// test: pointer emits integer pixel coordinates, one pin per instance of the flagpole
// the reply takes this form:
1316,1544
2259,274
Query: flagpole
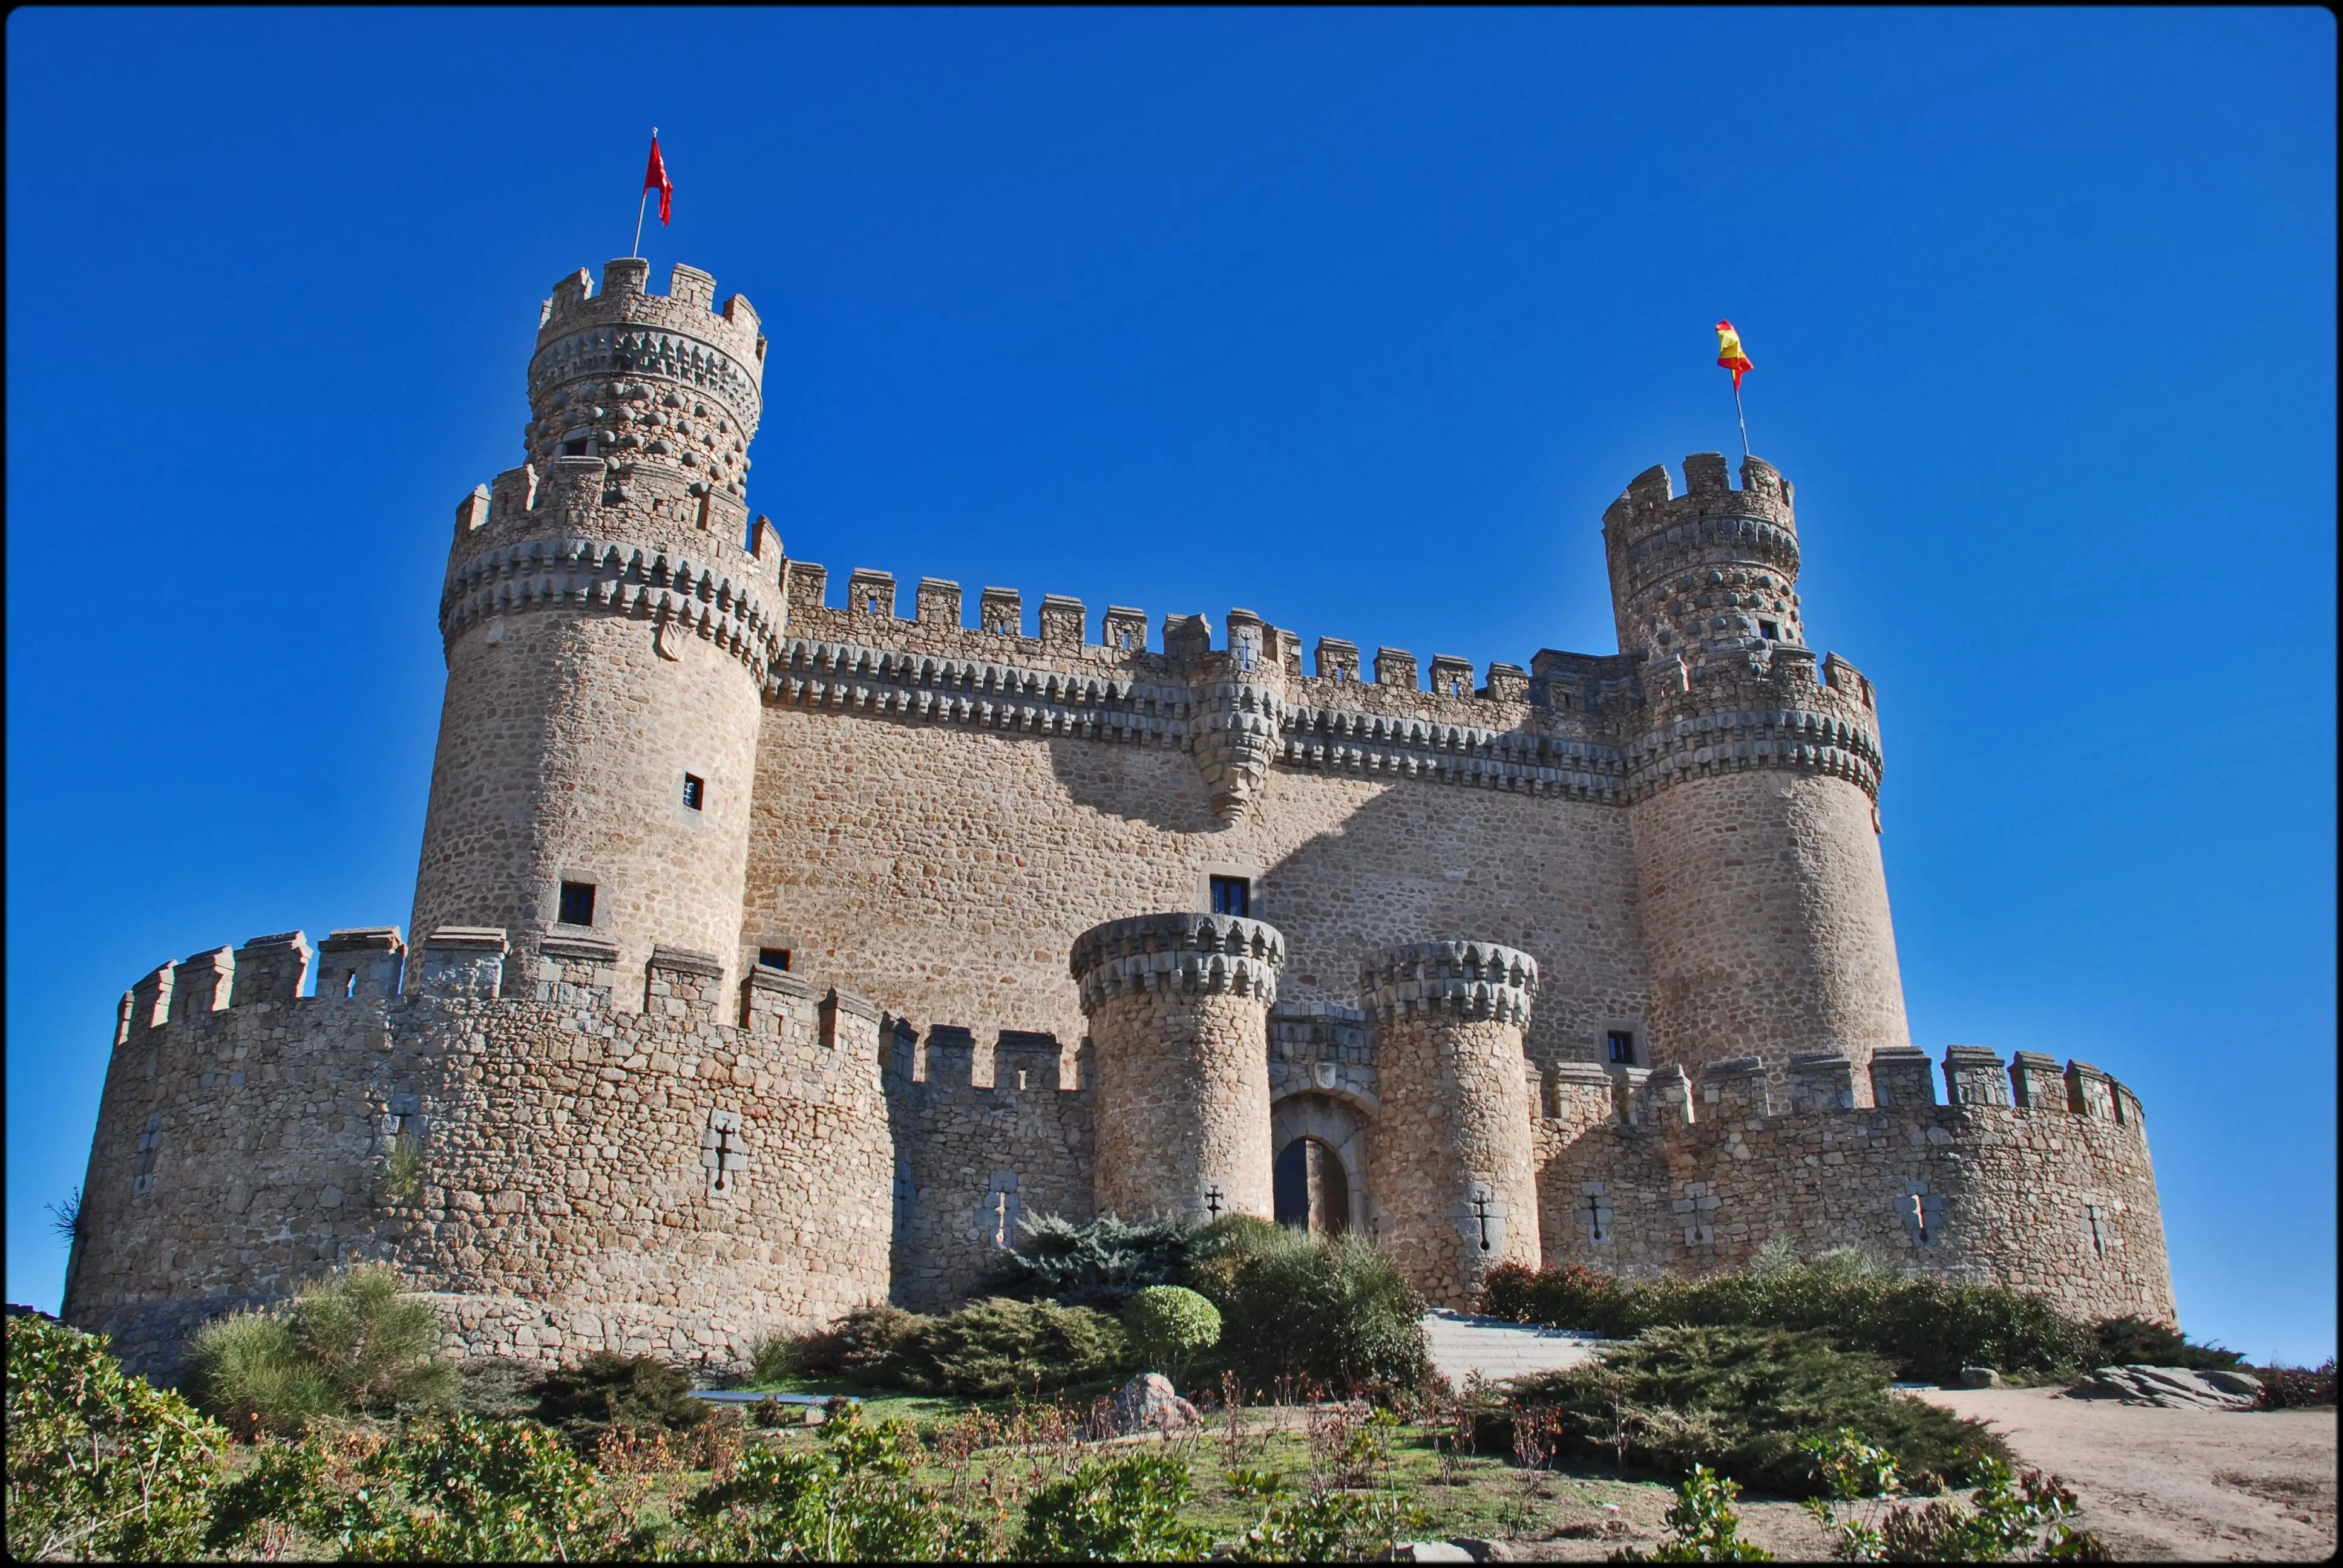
1741,417
644,205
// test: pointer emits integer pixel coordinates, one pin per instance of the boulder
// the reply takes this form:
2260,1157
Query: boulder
2170,1388
1149,1403
1980,1377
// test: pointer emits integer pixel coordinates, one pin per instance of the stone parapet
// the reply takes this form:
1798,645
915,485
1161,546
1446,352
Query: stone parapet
1464,979
1191,954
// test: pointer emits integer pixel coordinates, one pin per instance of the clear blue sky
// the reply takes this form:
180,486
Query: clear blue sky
1356,319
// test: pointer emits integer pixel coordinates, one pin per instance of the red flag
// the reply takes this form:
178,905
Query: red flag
655,179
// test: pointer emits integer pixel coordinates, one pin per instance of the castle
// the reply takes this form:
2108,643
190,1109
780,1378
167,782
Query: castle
777,950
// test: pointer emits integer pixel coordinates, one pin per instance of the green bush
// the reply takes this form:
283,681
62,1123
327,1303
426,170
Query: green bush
1703,1526
1333,1310
852,1499
2142,1342
609,1389
860,1345
995,1347
1319,1526
1926,1329
1101,1262
1741,1402
100,1464
350,1341
497,1388
377,1344
1168,1324
248,1370
1123,1510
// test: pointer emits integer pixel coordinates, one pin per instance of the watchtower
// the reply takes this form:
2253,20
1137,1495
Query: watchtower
1754,784
606,636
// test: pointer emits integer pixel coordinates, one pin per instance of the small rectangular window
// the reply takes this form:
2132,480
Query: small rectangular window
773,958
694,790
1768,629
577,903
1623,1046
576,447
1232,896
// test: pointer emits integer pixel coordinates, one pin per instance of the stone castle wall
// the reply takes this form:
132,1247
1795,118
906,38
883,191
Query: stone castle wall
2056,1197
973,1162
591,1178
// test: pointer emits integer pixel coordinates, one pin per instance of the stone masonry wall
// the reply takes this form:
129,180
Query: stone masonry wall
975,1160
2044,1198
571,1154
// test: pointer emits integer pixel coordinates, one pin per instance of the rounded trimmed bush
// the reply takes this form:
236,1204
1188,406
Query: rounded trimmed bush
1168,1324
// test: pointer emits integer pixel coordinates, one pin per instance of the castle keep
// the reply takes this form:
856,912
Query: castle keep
779,945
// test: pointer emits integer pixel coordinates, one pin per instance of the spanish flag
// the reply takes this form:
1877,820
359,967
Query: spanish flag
1729,355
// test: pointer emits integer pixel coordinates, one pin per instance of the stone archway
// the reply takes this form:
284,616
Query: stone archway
1319,1144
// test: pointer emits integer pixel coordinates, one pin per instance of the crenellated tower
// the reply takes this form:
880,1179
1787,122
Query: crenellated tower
1753,778
608,636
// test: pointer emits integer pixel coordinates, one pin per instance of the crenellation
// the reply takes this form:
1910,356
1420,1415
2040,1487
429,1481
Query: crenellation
1734,1089
202,983
2090,1092
2037,1081
1061,622
1395,667
464,961
1000,612
938,601
1902,1077
1975,1075
269,969
361,961
871,593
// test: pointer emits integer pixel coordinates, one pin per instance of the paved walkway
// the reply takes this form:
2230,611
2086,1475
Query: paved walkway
1462,1344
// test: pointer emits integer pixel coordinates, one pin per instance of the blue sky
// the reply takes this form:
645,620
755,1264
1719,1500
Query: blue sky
1355,319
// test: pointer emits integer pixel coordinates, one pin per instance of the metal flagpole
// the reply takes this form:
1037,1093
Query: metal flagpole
641,206
1744,418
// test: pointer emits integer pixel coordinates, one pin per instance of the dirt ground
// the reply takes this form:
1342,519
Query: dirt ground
2177,1485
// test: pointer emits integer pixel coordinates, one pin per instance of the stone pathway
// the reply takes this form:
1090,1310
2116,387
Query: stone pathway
1462,1344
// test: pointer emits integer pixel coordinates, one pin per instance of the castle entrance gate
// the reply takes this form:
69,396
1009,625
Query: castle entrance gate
1319,1178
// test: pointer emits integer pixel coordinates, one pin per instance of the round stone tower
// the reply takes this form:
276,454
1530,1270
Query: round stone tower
606,637
1454,1184
1754,779
1178,1007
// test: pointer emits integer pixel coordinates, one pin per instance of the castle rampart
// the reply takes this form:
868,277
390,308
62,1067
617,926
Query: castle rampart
2050,1199
567,1200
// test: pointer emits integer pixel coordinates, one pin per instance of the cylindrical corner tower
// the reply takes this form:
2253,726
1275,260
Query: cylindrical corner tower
1755,783
1455,1183
1179,1017
607,639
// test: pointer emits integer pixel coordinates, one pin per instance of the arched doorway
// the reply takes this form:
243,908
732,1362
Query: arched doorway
1311,1187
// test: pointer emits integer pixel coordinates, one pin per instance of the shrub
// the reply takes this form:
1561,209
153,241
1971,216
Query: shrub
1701,1526
1329,1309
777,1358
1741,1400
2142,1342
1168,1324
1926,1328
100,1464
248,1370
1318,1526
377,1345
1123,1510
998,1346
1101,1262
853,1497
488,1491
861,1344
2298,1387
350,1341
497,1388
609,1389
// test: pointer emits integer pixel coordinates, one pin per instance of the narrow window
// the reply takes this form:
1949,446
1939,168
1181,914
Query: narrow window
577,904
1621,1043
773,958
1232,896
350,984
694,790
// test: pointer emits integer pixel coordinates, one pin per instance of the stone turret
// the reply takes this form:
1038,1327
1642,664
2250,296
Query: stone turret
1178,1006
1753,781
1455,1189
608,634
